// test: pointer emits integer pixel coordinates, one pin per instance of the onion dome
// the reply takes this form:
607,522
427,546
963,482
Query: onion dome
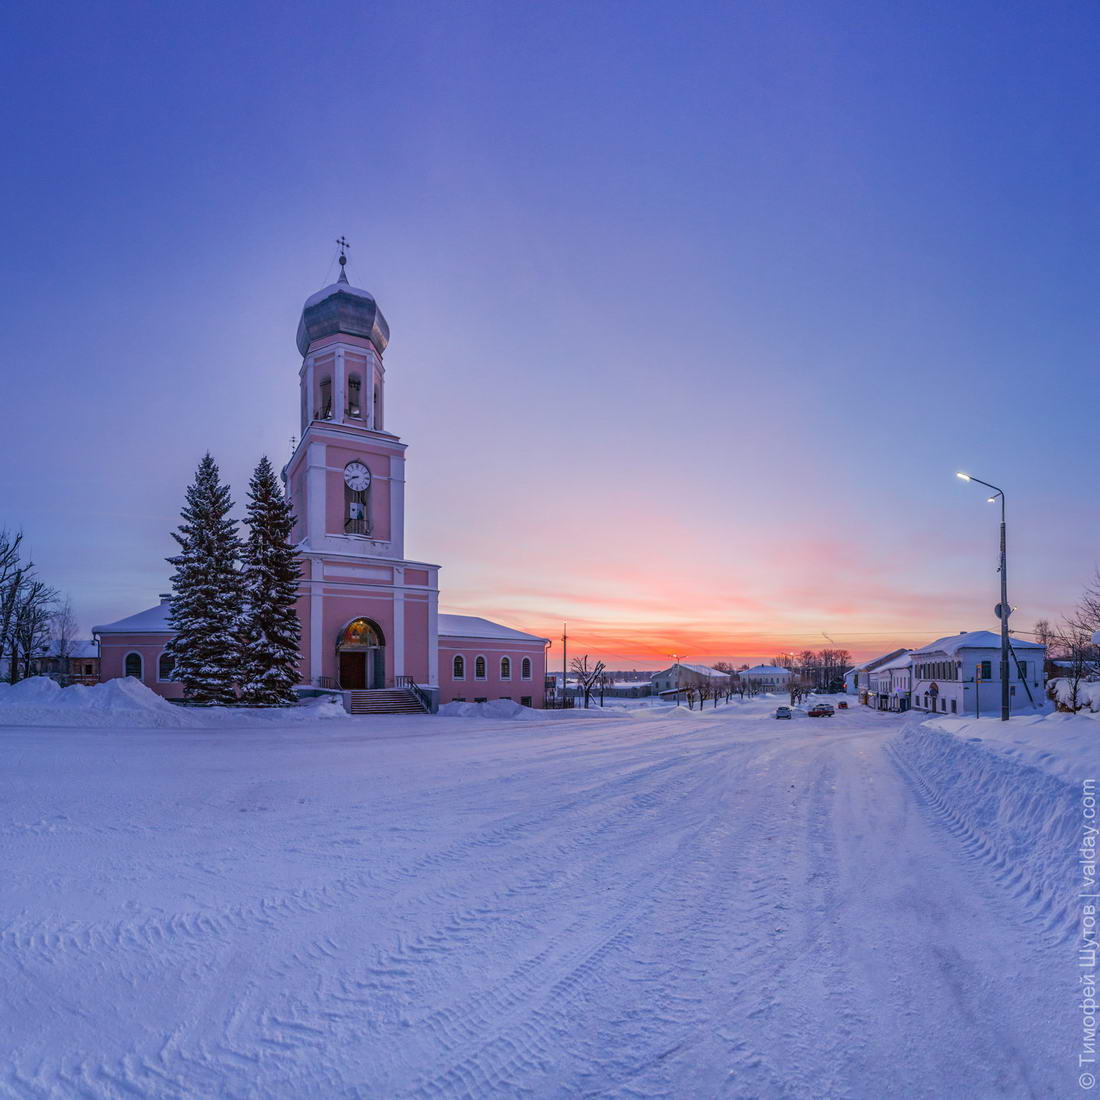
342,308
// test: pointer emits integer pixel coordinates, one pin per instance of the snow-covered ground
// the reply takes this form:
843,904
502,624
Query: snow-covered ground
638,902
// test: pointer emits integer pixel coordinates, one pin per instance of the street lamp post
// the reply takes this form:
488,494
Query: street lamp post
1004,609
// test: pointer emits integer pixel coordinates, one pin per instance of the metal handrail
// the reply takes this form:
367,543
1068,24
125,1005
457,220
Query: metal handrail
410,684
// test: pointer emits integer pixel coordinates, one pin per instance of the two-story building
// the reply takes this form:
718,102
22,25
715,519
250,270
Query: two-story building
770,678
891,684
857,680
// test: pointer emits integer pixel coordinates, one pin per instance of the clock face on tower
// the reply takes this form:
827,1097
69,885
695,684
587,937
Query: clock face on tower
357,477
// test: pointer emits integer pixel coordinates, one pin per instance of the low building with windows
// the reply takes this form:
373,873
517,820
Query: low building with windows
136,646
78,665
680,676
480,660
857,680
767,677
891,684
960,674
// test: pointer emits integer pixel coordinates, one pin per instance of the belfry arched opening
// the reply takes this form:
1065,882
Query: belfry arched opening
361,656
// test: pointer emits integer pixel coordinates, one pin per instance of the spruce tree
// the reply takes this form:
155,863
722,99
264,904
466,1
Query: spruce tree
207,593
270,630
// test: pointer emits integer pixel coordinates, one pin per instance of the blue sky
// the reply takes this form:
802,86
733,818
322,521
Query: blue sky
695,308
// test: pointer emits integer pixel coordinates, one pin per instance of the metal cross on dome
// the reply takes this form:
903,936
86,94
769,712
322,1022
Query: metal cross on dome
343,243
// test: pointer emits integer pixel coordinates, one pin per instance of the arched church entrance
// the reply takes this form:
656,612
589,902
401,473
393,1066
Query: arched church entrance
361,656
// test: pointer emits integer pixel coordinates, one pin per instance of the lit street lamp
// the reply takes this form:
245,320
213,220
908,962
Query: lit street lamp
1003,609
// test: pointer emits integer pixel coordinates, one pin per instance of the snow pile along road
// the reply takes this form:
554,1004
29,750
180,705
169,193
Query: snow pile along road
129,704
40,701
1015,804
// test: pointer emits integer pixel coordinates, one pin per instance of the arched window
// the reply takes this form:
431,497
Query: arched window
360,634
479,668
460,668
355,401
377,409
166,665
525,668
506,668
132,665
324,399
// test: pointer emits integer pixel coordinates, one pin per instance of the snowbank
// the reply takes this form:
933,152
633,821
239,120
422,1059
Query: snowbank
129,704
1012,795
1088,694
40,701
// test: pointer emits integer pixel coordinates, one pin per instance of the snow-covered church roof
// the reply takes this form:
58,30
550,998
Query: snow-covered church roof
470,626
764,670
153,620
972,639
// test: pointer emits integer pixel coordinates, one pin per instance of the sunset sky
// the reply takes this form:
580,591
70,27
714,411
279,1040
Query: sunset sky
695,308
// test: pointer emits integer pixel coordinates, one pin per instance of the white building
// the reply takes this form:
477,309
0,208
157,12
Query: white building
767,677
891,684
680,676
857,681
960,674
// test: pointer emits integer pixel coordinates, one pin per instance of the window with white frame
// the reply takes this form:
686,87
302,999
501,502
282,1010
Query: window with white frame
132,665
479,668
166,666
525,668
506,668
459,667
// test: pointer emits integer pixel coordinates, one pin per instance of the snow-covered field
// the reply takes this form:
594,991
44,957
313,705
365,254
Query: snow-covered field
647,902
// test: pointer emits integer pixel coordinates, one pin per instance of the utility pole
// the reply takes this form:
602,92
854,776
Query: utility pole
564,664
1003,610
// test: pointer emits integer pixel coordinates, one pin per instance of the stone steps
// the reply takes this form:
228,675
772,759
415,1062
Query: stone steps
385,701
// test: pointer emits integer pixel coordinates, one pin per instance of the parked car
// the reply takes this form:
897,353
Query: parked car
842,705
783,712
821,710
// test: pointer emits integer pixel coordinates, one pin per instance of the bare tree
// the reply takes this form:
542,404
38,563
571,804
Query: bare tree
64,630
30,628
12,571
587,677
704,688
1078,656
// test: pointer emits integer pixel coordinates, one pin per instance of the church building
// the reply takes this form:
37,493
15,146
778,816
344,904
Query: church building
371,626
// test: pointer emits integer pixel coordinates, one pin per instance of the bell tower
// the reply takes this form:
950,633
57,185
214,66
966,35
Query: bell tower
346,482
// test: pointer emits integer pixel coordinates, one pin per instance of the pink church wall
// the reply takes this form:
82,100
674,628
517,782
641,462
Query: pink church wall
302,609
113,649
339,610
493,686
416,576
416,639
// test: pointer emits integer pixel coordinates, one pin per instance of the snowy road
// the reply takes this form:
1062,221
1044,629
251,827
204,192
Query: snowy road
666,905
